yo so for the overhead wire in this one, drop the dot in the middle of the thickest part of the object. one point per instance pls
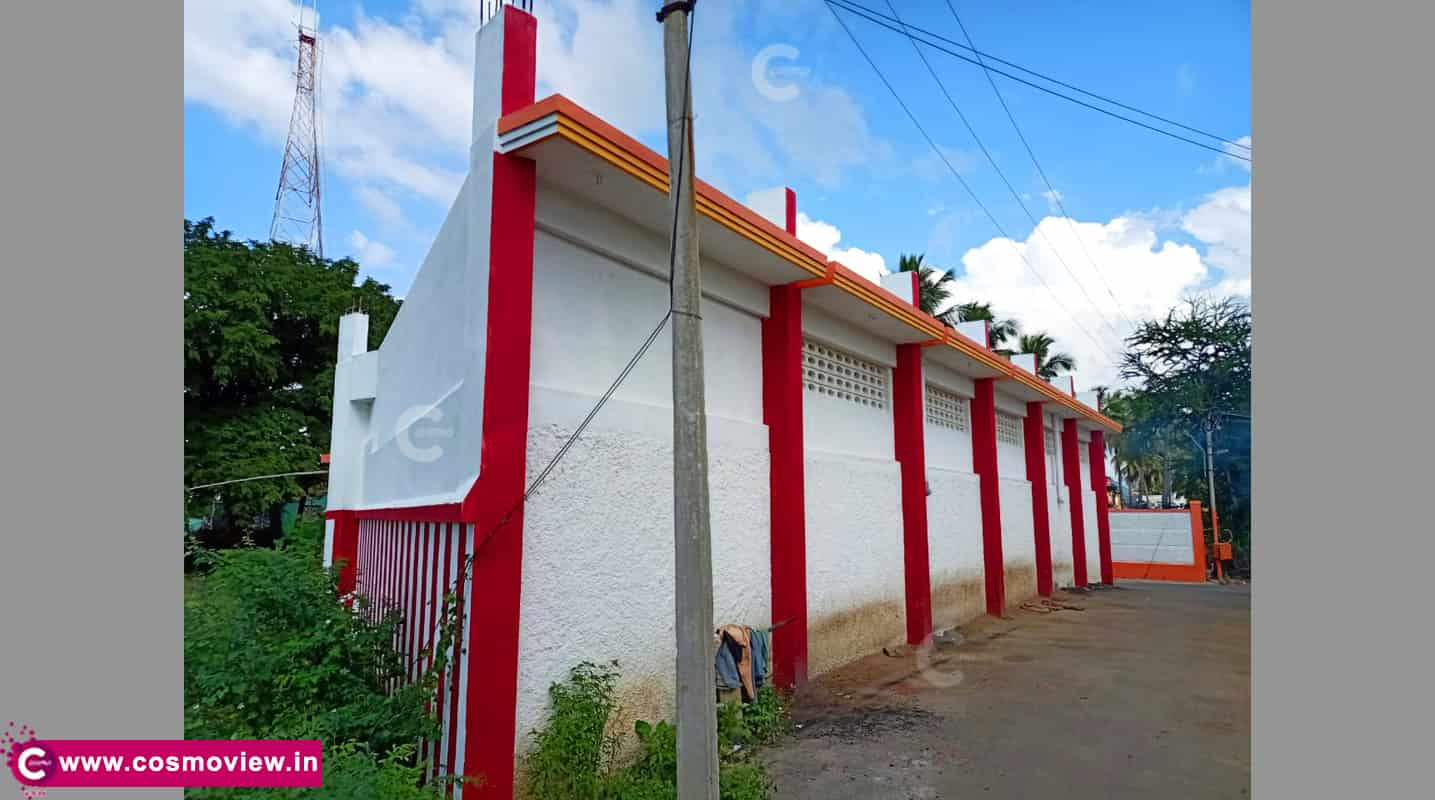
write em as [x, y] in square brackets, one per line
[1002, 174]
[963, 181]
[1052, 192]
[878, 18]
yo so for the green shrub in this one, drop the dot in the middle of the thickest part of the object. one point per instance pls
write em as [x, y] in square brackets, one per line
[269, 653]
[573, 754]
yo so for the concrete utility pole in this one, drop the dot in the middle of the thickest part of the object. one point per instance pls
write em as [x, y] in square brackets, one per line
[696, 693]
[1211, 486]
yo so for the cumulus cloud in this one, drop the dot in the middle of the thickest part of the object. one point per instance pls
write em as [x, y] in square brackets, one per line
[396, 96]
[369, 253]
[1147, 275]
[824, 236]
[1229, 161]
[1136, 259]
[1222, 222]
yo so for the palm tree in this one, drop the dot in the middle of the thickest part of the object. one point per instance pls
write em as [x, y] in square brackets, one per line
[933, 284]
[1000, 330]
[1048, 364]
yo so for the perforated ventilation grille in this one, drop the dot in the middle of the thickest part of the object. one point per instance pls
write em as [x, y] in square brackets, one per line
[946, 409]
[833, 373]
[1008, 429]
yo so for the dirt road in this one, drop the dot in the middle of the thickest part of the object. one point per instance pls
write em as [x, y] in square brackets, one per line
[1145, 692]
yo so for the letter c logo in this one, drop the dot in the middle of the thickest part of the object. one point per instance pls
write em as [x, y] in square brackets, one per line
[29, 754]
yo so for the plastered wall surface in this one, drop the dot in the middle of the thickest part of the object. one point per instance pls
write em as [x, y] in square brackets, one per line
[954, 547]
[1153, 537]
[598, 535]
[1018, 540]
[1062, 566]
[855, 593]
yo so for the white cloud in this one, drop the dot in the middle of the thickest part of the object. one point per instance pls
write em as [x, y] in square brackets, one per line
[822, 235]
[396, 93]
[380, 204]
[1053, 198]
[1147, 275]
[370, 254]
[1222, 222]
[1229, 160]
[1141, 265]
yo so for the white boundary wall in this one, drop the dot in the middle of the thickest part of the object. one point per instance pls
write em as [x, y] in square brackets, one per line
[1152, 537]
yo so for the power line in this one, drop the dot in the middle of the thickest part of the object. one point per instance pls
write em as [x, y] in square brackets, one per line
[878, 18]
[1002, 174]
[957, 175]
[256, 478]
[1055, 195]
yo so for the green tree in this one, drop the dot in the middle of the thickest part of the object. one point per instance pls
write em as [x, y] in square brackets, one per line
[260, 338]
[934, 286]
[1002, 330]
[1048, 364]
[1192, 371]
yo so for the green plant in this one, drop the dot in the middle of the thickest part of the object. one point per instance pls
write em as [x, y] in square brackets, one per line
[270, 654]
[574, 750]
[766, 716]
[573, 756]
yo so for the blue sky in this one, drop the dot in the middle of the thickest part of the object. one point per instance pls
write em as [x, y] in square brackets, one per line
[1153, 219]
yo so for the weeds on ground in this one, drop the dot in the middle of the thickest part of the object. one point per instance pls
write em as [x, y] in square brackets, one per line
[573, 755]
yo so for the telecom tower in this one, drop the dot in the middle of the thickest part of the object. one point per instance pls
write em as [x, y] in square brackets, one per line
[298, 218]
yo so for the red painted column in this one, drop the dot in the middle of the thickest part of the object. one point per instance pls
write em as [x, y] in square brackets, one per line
[984, 464]
[790, 198]
[782, 412]
[1034, 433]
[346, 549]
[494, 502]
[909, 427]
[1103, 520]
[1071, 462]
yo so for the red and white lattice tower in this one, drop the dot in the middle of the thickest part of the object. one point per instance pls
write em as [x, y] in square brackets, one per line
[298, 218]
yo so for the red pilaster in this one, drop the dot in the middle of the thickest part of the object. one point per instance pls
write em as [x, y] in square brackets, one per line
[1071, 466]
[1103, 520]
[782, 412]
[791, 198]
[497, 570]
[346, 549]
[984, 464]
[909, 424]
[1034, 433]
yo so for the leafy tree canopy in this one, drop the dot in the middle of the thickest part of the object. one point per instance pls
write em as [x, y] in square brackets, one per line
[261, 323]
[1189, 371]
